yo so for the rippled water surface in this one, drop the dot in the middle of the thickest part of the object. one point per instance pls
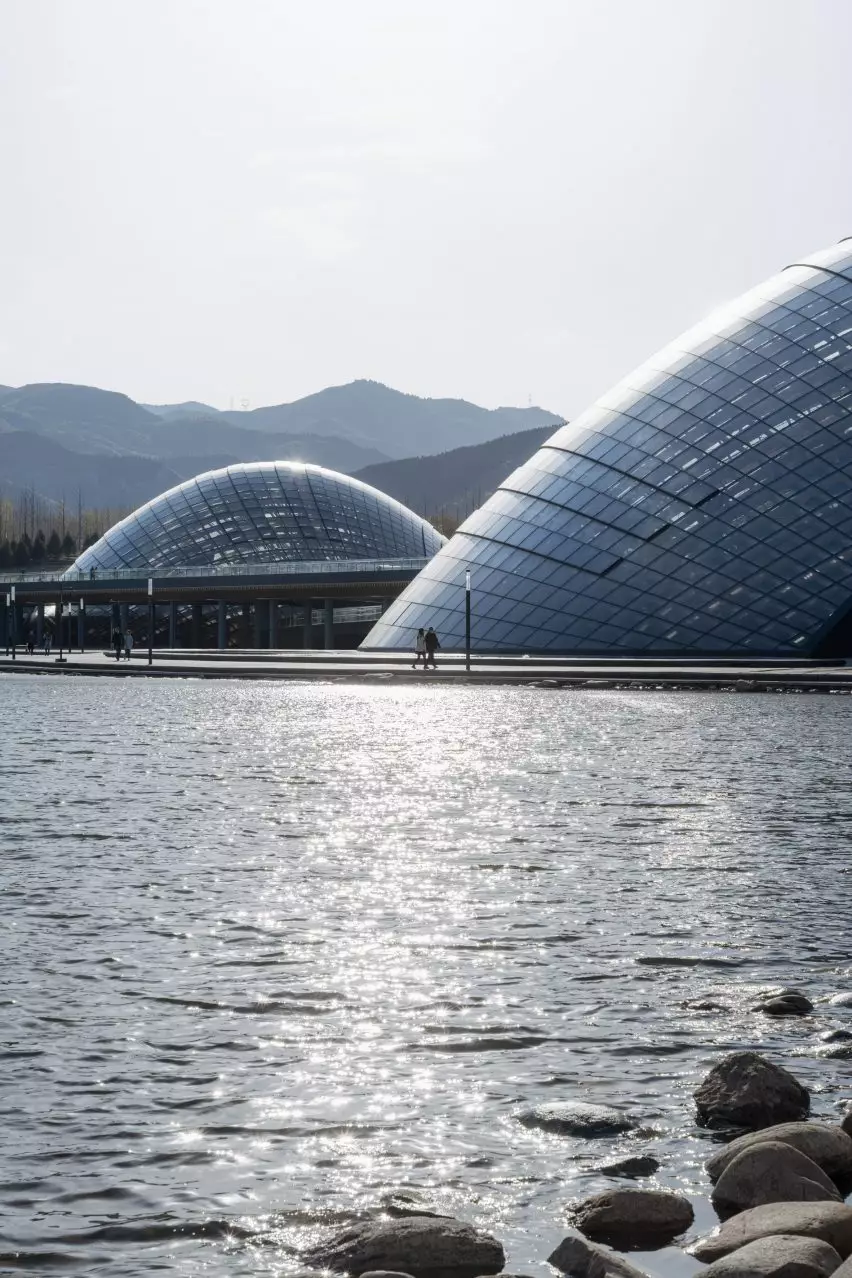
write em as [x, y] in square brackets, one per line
[274, 955]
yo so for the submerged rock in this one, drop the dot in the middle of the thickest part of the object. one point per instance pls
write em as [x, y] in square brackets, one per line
[770, 1172]
[841, 1000]
[422, 1246]
[825, 1144]
[583, 1259]
[831, 1222]
[785, 1003]
[836, 1036]
[634, 1218]
[577, 1118]
[747, 1090]
[638, 1165]
[780, 1256]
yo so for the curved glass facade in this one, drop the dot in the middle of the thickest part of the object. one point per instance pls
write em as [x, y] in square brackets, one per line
[262, 512]
[703, 506]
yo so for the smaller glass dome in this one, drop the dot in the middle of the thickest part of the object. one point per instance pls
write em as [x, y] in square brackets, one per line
[263, 512]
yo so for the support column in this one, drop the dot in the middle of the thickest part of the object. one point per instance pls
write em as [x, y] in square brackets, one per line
[81, 627]
[40, 625]
[328, 619]
[196, 625]
[307, 624]
[257, 624]
[123, 617]
[245, 627]
[273, 623]
[173, 625]
[221, 625]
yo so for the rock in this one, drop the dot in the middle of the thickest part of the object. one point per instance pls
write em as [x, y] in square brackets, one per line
[785, 1005]
[577, 1118]
[825, 1144]
[746, 1090]
[422, 1246]
[836, 1036]
[770, 1172]
[634, 1218]
[638, 1165]
[780, 1256]
[583, 1259]
[841, 1000]
[845, 1270]
[831, 1222]
[385, 1273]
[846, 1125]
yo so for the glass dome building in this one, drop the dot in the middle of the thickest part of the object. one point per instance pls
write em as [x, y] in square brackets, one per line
[703, 506]
[262, 513]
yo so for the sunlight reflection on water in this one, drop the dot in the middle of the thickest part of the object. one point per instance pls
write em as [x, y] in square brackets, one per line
[278, 954]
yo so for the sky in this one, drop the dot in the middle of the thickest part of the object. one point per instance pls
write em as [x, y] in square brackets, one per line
[244, 201]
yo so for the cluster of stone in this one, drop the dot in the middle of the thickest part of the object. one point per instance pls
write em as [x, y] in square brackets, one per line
[777, 1188]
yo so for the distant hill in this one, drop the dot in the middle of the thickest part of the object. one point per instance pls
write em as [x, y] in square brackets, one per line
[57, 438]
[398, 425]
[30, 461]
[458, 481]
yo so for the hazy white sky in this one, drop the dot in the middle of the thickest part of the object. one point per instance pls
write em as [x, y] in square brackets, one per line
[494, 199]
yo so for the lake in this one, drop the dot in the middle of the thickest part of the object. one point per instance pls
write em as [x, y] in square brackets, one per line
[277, 954]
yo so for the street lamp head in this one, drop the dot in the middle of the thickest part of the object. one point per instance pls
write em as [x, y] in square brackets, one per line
[467, 579]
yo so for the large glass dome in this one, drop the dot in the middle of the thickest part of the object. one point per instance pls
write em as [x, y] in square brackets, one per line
[263, 512]
[703, 506]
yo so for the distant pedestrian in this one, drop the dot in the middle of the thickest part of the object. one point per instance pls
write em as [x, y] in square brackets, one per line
[419, 649]
[30, 642]
[48, 642]
[432, 642]
[117, 642]
[128, 644]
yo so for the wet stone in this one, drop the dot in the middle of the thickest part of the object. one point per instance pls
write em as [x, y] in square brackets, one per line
[780, 1256]
[830, 1222]
[634, 1167]
[577, 1118]
[747, 1090]
[422, 1246]
[580, 1258]
[634, 1218]
[770, 1172]
[825, 1144]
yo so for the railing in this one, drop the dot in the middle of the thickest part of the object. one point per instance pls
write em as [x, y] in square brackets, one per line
[291, 568]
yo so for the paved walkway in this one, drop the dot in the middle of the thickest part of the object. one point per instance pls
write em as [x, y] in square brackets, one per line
[372, 667]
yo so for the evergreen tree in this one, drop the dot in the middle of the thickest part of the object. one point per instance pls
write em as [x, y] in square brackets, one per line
[20, 554]
[54, 545]
[5, 554]
[39, 550]
[69, 546]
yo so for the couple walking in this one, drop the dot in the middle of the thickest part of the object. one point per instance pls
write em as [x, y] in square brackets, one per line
[122, 641]
[424, 648]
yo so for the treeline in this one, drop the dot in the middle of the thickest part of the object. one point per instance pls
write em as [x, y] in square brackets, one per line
[43, 550]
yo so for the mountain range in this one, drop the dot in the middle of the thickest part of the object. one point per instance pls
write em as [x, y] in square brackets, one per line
[68, 442]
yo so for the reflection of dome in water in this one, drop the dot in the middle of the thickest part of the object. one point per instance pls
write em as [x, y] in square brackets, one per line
[263, 512]
[703, 506]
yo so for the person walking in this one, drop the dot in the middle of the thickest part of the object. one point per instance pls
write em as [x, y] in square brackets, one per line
[432, 642]
[48, 642]
[419, 649]
[30, 642]
[128, 643]
[117, 642]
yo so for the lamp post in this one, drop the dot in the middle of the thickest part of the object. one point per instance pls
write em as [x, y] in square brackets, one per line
[14, 625]
[467, 619]
[61, 658]
[82, 624]
[150, 621]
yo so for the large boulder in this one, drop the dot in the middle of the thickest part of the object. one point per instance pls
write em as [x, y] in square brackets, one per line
[634, 1218]
[423, 1246]
[583, 1259]
[825, 1144]
[770, 1172]
[846, 1125]
[746, 1090]
[831, 1222]
[577, 1118]
[781, 1256]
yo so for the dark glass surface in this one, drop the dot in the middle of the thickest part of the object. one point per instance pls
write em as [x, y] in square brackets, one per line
[263, 512]
[704, 505]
